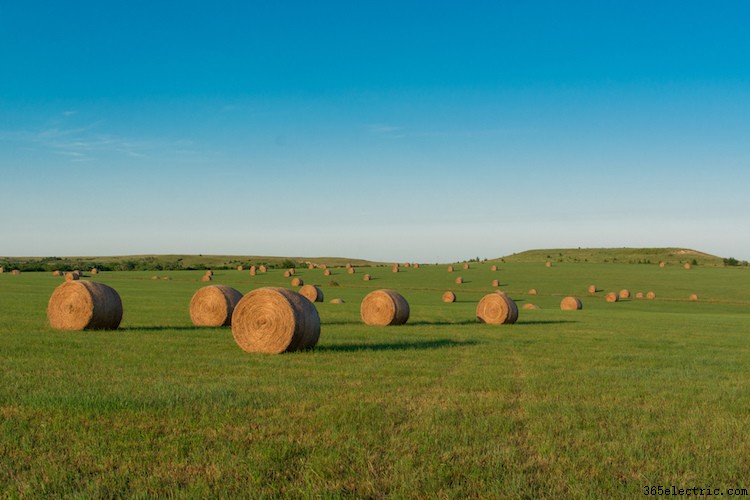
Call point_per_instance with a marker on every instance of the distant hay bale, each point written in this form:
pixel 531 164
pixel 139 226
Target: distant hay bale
pixel 571 304
pixel 209 273
pixel 495 283
pixel 327 272
pixel 323 266
pixel 532 291
pixel 275 320
pixel 310 266
pixel 662 264
pixel 415 266
pixel 592 289
pixel 94 271
pixel 650 295
pixel 166 278
pixel 56 273
pixel 449 297
pixel 384 308
pixel 351 270
pixel 154 277
pixel 612 297
pixel 366 277
pixel 531 306
pixel 287 274
pixel 240 268
pixel 496 309
pixel 624 293
pixel 262 269
pixel 407 264
pixel 207 277
pixel 312 293
pixel 72 276
pixel 2 270
pixel 336 301
pixel 639 295
pixel 548 264
pixel 252 272
pixel 693 297
pixel 467 266
pixel 84 305
pixel 15 272
pixel 450 269
pixel 297 282
pixel 395 269
pixel 493 267
pixel 292 271
pixel 459 280
pixel 348 266
pixel 686 265
pixel 213 305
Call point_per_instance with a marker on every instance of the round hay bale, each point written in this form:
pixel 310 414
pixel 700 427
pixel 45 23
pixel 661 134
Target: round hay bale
pixel 693 297
pixel 323 266
pixel 450 269
pixel 262 269
pixel 84 305
pixel 72 277
pixel 327 272
pixel 154 277
pixel 415 266
pixel 449 297
pixel 662 264
pixel 383 308
pixel 310 266
pixel 548 264
pixel 686 266
pixel 351 270
pixel 592 289
pixel 611 297
pixel 209 273
pixel 531 306
pixel 240 268
pixel 336 301
pixel 496 309
pixel 466 266
pixel 571 304
pixel 495 283
pixel 213 305
pixel 15 272
pixel 2 270
pixel 287 274
pixel 253 269
pixel 366 277
pixel 297 282
pixel 348 266
pixel 395 269
pixel 639 295
pixel 252 272
pixel 407 264
pixel 94 271
pixel 532 291
pixel 493 268
pixel 56 273
pixel 650 295
pixel 311 293
pixel 292 271
pixel 459 280
pixel 275 320
pixel 207 277
pixel 624 293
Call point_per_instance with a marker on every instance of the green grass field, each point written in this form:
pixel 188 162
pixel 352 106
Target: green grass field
pixel 596 403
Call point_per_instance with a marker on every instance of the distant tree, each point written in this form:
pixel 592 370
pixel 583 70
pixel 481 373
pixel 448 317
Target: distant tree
pixel 731 261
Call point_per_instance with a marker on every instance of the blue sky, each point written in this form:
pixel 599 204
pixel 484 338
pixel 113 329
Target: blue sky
pixel 384 130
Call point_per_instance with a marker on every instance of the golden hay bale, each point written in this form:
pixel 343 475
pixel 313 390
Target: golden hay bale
pixel 407 265
pixel 662 264
pixel 348 266
pixel 336 301
pixel 548 264
pixel 2 270
pixel 287 274
pixel 459 280
pixel 351 270
pixel 94 271
pixel 207 277
pixel 449 297
pixel 310 266
pixel 493 268
pixel 297 282
pixel 166 278
pixel 15 272
pixel 383 308
pixel 415 266
pixel 366 277
pixel 312 293
pixel 495 283
pixel 693 297
pixel 154 277
pixel 240 268
pixel 72 276
pixel 450 269
pixel 467 266
pixel 496 309
pixel 292 271
pixel 209 273
pixel 624 293
pixel 322 266
pixel 592 289
pixel 275 320
pixel 395 269
pixel 252 272
pixel 327 272
pixel 84 305
pixel 253 269
pixel 262 269
pixel 531 306
pixel 639 295
pixel 612 297
pixel 213 305
pixel 650 295
pixel 571 304
pixel 686 266
pixel 56 273
pixel 532 291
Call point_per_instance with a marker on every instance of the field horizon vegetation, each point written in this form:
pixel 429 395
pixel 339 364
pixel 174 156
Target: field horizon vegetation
pixel 601 402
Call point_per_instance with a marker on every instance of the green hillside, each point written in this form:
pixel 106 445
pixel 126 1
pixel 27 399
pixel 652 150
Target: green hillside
pixel 671 256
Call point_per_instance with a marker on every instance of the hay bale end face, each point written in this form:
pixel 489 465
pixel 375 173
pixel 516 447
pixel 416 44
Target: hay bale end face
pixel 624 293
pixel 327 272
pixel 650 295
pixel 94 271
pixel 467 266
pixel 532 291
pixel 384 308
pixel 310 266
pixel 287 274
pixel 84 305
pixel 348 266
pixel 56 273
pixel 262 269
pixel 459 280
pixel 693 297
pixel 240 268
pixel 493 268
pixel 639 295
pixel 207 277
pixel 209 273
pixel 15 272
pixel 351 270
pixel 686 266
pixel 495 283
pixel 449 297
pixel 213 305
pixel 450 269
pixel 275 320
pixel 531 306
pixel 336 301
pixel 415 266
pixel 311 293
pixel 548 264
pixel 496 309
pixel 592 289
pixel 612 297
pixel 366 277
pixel 662 264
pixel 297 282
pixel 571 304
pixel 395 269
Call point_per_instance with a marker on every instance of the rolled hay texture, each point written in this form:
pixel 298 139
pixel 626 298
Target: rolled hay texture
pixel 450 269
pixel 297 282
pixel 348 266
pixel 496 309
pixel 384 308
pixel 327 272
pixel 495 283
pixel 395 269
pixel 94 271
pixel 323 266
pixel 407 264
pixel 240 268
pixel 84 305
pixel 639 295
pixel 207 277
pixel 467 266
pixel 252 272
pixel 624 293
pixel 449 297
pixel 15 272
pixel 262 269
pixel 571 304
pixel 336 301
pixel 154 277
pixel 532 291
pixel 56 273
pixel 531 306
pixel 253 269
pixel 686 266
pixel 310 266
pixel 213 305
pixel 312 293
pixel 2 270
pixel 459 280
pixel 493 268
pixel 662 264
pixel 592 289
pixel 650 295
pixel 415 266
pixel 611 297
pixel 275 320
pixel 366 277
pixel 693 297
pixel 209 273
pixel 287 274
pixel 548 264
pixel 351 270
pixel 72 276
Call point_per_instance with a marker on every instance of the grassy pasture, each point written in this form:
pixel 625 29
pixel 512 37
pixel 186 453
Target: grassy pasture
pixel 593 403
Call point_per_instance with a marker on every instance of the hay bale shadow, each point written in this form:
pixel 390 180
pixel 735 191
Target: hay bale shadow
pixel 395 346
